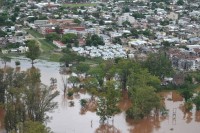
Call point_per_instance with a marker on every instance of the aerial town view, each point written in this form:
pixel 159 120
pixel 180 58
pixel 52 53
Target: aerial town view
pixel 99 66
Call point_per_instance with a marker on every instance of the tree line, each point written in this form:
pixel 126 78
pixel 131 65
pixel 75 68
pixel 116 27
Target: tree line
pixel 110 80
pixel 25 100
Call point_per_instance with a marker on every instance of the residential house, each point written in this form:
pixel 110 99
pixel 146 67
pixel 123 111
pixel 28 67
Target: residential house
pixel 172 16
pixel 59 44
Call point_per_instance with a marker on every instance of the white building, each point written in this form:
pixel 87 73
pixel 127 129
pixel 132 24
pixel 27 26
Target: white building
pixel 125 17
pixel 59 44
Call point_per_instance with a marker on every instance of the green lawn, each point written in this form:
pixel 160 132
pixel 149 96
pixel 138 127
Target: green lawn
pixel 79 4
pixel 48 51
pixel 55 57
pixel 34 33
pixel 93 61
pixel 46 46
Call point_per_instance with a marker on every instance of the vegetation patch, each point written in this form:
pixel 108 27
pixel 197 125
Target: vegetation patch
pixel 46 45
pixel 79 4
pixel 34 33
pixel 55 57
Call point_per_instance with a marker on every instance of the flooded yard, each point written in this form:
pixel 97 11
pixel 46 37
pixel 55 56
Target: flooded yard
pixel 66 119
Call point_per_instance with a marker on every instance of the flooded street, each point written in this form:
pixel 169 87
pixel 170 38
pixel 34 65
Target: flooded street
pixel 66 119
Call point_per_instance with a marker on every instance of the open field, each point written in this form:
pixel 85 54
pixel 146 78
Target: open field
pixel 79 4
pixel 34 33
pixel 46 46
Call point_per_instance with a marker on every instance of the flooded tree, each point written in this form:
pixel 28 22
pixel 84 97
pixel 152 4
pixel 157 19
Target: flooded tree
pixel 98 74
pixel 70 57
pixel 141 77
pixel 106 128
pixel 53 83
pixel 196 101
pixel 33 50
pixel 82 68
pixel 83 103
pixel 159 64
pixel 38 98
pixel 107 103
pixel 26 98
pixel 74 80
pixel 5 59
pixel 91 85
pixel 144 100
pixel 17 63
pixel 2 86
pixel 102 109
pixel 186 94
pixel 123 68
pixel 35 127
pixel 107 79
pixel 142 93
pixel 67 59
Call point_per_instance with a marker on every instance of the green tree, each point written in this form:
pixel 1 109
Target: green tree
pixel 17 63
pixel 188 105
pixel 107 104
pixel 126 9
pixel 77 21
pixel 74 80
pixel 101 22
pixel 196 101
pixel 126 24
pixel 82 68
pixel 94 40
pixel 147 33
pixel 102 109
pixel 26 98
pixel 2 33
pixel 164 22
pixel 123 69
pixel 180 2
pixel 33 50
pixel 165 44
pixel 91 85
pixel 52 36
pixel 67 59
pixel 3 18
pixel 70 58
pixel 16 9
pixel 138 15
pixel 187 94
pixel 134 33
pixel 58 30
pixel 98 74
pixel 159 64
pixel 117 40
pixel 141 77
pixel 83 103
pixel 144 101
pixel 5 59
pixel 42 17
pixel 3 86
pixel 35 127
pixel 69 38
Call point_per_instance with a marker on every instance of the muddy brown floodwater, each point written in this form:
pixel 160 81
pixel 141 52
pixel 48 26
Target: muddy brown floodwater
pixel 66 119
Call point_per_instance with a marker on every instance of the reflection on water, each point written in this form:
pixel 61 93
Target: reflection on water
pixel 1 117
pixel 147 125
pixel 106 128
pixel 67 119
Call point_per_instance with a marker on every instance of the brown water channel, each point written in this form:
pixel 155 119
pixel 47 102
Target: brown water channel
pixel 67 119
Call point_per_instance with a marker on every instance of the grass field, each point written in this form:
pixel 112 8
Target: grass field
pixel 46 46
pixel 79 4
pixel 48 51
pixel 34 33
pixel 55 57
